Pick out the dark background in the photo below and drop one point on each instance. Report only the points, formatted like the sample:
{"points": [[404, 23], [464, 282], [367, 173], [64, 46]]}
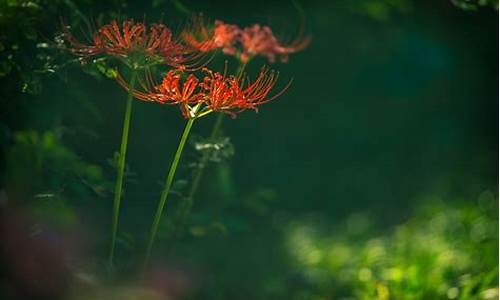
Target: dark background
{"points": [[393, 102]]}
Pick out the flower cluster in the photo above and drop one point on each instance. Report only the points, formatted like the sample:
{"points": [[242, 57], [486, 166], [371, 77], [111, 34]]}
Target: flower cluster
{"points": [[142, 46], [135, 43], [215, 92], [243, 43]]}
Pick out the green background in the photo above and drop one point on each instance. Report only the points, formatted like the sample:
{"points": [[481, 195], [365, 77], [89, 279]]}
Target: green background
{"points": [[391, 122]]}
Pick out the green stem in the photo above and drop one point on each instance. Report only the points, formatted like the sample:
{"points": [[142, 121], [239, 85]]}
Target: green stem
{"points": [[121, 168], [197, 178], [186, 209], [213, 135], [166, 189], [199, 171]]}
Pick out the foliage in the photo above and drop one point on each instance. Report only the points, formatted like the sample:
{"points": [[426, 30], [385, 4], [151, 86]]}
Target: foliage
{"points": [[218, 149], [444, 252], [331, 150], [40, 165], [475, 4], [380, 10]]}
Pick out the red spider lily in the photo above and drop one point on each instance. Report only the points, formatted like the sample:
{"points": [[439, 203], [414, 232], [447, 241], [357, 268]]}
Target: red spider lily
{"points": [[180, 93], [216, 92], [136, 43], [260, 40], [242, 43], [171, 90], [221, 36], [232, 95]]}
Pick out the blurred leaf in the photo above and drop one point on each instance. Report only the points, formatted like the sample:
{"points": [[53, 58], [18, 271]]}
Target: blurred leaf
{"points": [[107, 71], [39, 162], [218, 149], [435, 255], [54, 210], [126, 240], [472, 5], [5, 68]]}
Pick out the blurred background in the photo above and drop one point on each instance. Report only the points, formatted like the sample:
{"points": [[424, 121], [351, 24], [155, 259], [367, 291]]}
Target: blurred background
{"points": [[375, 176]]}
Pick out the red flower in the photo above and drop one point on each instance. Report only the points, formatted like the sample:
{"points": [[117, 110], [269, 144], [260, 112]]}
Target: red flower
{"points": [[136, 43], [170, 91], [216, 92], [178, 92], [242, 43], [221, 36], [232, 95], [260, 40]]}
